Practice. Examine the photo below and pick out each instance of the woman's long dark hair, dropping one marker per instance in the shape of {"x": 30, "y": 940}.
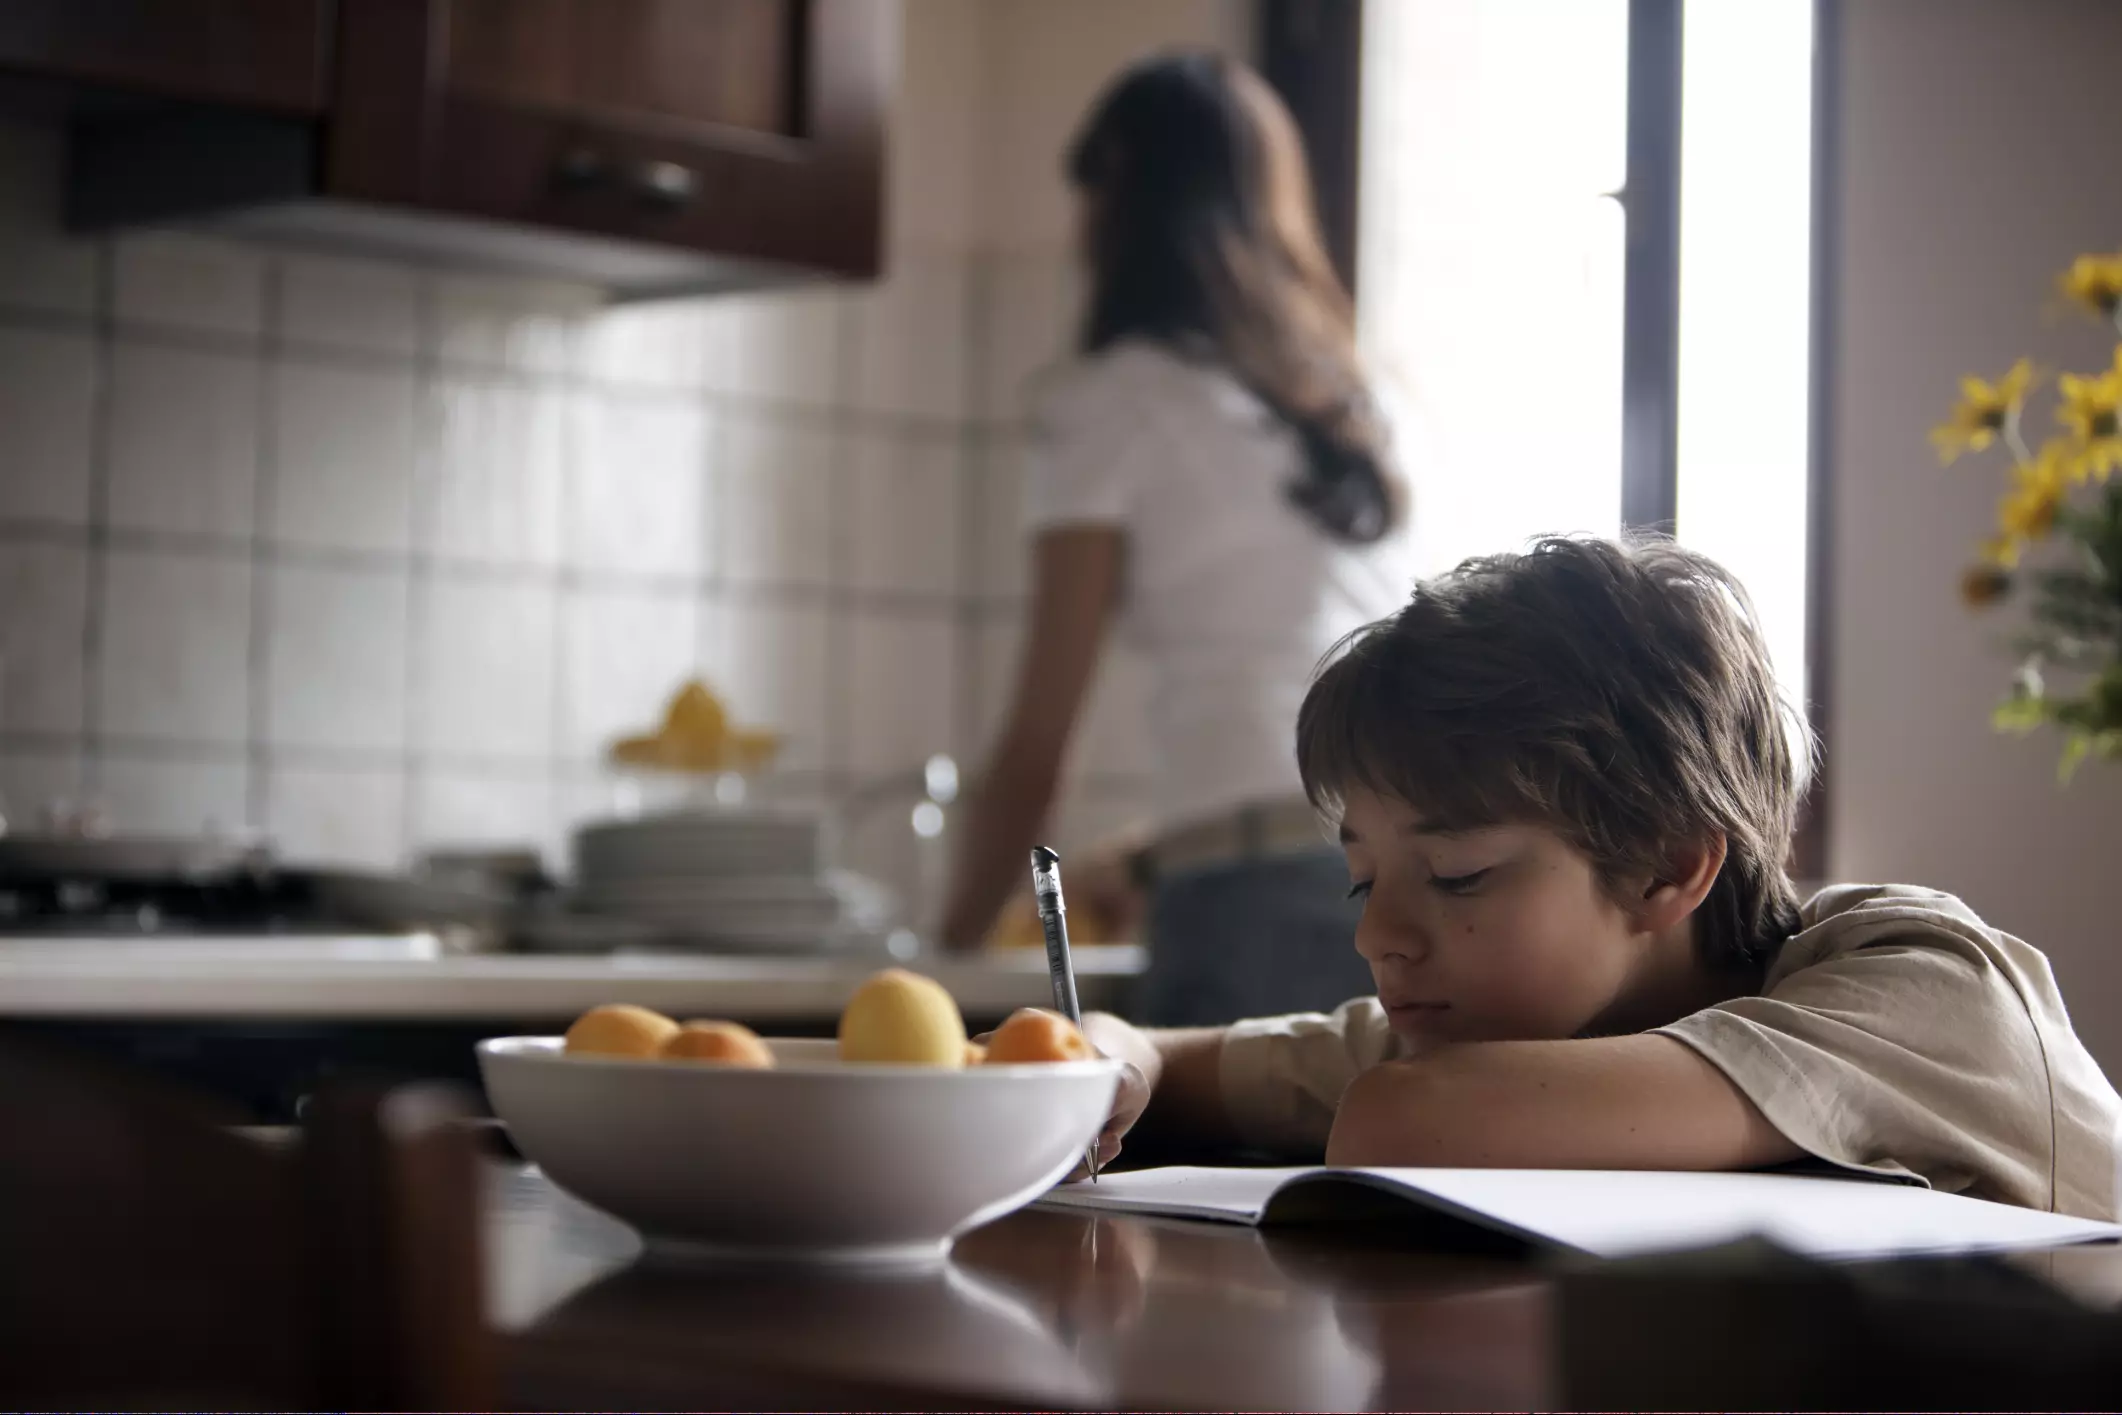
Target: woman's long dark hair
{"x": 1202, "y": 232}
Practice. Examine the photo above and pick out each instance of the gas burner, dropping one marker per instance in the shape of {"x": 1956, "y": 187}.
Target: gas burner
{"x": 241, "y": 903}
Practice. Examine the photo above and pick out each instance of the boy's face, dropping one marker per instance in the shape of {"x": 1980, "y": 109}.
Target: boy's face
{"x": 1501, "y": 933}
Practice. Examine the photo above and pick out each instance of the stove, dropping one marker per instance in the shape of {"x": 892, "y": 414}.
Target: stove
{"x": 104, "y": 908}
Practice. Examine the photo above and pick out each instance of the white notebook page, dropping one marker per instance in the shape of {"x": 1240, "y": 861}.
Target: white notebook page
{"x": 1613, "y": 1213}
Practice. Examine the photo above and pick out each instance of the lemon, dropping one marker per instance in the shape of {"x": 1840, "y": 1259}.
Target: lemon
{"x": 903, "y": 1017}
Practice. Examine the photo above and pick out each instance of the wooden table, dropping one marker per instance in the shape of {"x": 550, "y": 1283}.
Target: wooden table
{"x": 1043, "y": 1309}
{"x": 1055, "y": 1309}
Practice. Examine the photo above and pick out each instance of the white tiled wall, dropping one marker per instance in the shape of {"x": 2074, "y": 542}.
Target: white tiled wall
{"x": 369, "y": 557}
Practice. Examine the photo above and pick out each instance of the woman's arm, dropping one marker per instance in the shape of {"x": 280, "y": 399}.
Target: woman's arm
{"x": 1637, "y": 1102}
{"x": 1076, "y": 582}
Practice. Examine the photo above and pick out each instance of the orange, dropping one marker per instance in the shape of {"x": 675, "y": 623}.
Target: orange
{"x": 619, "y": 1029}
{"x": 718, "y": 1043}
{"x": 1035, "y": 1034}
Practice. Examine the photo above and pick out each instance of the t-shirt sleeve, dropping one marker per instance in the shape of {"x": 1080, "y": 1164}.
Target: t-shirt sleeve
{"x": 1092, "y": 440}
{"x": 1906, "y": 1057}
{"x": 1282, "y": 1077}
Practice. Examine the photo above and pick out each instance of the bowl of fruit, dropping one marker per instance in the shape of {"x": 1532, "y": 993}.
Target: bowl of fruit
{"x": 881, "y": 1145}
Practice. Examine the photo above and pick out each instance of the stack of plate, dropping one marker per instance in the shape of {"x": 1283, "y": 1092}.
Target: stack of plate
{"x": 732, "y": 879}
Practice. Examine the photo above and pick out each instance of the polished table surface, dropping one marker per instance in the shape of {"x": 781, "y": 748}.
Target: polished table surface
{"x": 1043, "y": 1309}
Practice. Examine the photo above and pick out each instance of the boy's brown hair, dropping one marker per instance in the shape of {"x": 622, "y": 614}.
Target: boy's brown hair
{"x": 1618, "y": 693}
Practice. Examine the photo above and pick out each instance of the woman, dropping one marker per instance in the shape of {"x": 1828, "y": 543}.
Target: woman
{"x": 1212, "y": 476}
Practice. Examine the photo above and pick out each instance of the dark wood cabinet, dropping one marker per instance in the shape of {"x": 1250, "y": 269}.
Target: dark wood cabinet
{"x": 653, "y": 146}
{"x": 263, "y": 54}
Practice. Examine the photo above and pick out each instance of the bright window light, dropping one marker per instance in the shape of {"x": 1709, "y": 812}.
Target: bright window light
{"x": 1490, "y": 256}
{"x": 1745, "y": 303}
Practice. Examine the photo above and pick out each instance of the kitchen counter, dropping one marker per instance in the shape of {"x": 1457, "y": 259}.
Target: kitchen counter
{"x": 410, "y": 979}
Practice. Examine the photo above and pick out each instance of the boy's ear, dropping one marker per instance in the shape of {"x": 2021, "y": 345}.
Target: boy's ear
{"x": 1683, "y": 883}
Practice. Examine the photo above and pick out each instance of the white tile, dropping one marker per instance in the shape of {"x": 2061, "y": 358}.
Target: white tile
{"x": 778, "y": 481}
{"x": 906, "y": 532}
{"x": 880, "y": 843}
{"x": 190, "y": 282}
{"x": 998, "y": 649}
{"x": 32, "y": 780}
{"x": 1046, "y": 64}
{"x": 659, "y": 344}
{"x": 913, "y": 339}
{"x": 783, "y": 345}
{"x": 1001, "y": 572}
{"x": 41, "y": 267}
{"x": 485, "y": 811}
{"x": 640, "y": 486}
{"x": 1033, "y": 315}
{"x": 521, "y": 324}
{"x": 335, "y": 657}
{"x": 903, "y": 688}
{"x": 1113, "y": 737}
{"x": 372, "y": 306}
{"x": 622, "y": 657}
{"x": 769, "y": 663}
{"x": 1091, "y": 815}
{"x": 492, "y": 477}
{"x": 580, "y": 795}
{"x": 43, "y": 620}
{"x": 176, "y": 647}
{"x": 484, "y": 669}
{"x": 159, "y": 797}
{"x": 343, "y": 450}
{"x": 47, "y": 401}
{"x": 334, "y": 816}
{"x": 184, "y": 440}
{"x": 936, "y": 130}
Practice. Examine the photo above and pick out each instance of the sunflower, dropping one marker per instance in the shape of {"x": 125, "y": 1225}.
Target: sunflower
{"x": 2089, "y": 408}
{"x": 1983, "y": 411}
{"x": 2094, "y": 281}
{"x": 2028, "y": 511}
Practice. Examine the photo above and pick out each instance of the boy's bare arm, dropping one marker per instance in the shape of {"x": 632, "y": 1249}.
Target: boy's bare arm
{"x": 1636, "y": 1102}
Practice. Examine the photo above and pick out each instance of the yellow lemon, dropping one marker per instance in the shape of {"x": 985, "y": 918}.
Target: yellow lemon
{"x": 620, "y": 1029}
{"x": 903, "y": 1017}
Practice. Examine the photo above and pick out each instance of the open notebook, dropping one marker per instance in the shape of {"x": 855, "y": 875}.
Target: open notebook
{"x": 1607, "y": 1213}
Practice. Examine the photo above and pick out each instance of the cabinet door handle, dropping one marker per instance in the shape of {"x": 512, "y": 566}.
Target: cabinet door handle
{"x": 580, "y": 168}
{"x": 666, "y": 184}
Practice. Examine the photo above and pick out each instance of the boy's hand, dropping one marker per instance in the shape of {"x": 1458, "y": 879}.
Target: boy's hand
{"x": 1141, "y": 1067}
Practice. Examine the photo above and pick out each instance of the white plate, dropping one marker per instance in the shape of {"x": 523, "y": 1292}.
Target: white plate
{"x": 819, "y": 1160}
{"x": 782, "y": 890}
{"x": 709, "y": 920}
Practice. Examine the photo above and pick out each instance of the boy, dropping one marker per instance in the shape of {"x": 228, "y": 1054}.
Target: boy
{"x": 1566, "y": 785}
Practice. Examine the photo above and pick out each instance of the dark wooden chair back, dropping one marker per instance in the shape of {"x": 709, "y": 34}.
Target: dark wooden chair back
{"x": 151, "y": 1255}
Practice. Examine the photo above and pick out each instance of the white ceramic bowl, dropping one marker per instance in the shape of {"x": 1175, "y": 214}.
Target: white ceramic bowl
{"x": 816, "y": 1159}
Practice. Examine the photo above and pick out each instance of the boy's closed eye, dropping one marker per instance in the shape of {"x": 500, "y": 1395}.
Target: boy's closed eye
{"x": 1446, "y": 884}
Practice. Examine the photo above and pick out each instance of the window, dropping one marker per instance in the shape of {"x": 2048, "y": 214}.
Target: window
{"x": 1506, "y": 149}
{"x": 1490, "y": 249}
{"x": 1745, "y": 304}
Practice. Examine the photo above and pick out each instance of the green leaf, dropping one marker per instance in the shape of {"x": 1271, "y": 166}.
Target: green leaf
{"x": 2075, "y": 749}
{"x": 2019, "y": 715}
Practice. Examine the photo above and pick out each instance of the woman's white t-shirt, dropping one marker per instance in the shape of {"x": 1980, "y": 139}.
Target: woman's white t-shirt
{"x": 1232, "y": 594}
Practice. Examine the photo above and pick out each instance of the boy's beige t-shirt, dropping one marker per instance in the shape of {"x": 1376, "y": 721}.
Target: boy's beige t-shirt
{"x": 1896, "y": 1033}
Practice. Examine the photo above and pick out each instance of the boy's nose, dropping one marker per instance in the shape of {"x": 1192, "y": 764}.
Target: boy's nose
{"x": 1381, "y": 935}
